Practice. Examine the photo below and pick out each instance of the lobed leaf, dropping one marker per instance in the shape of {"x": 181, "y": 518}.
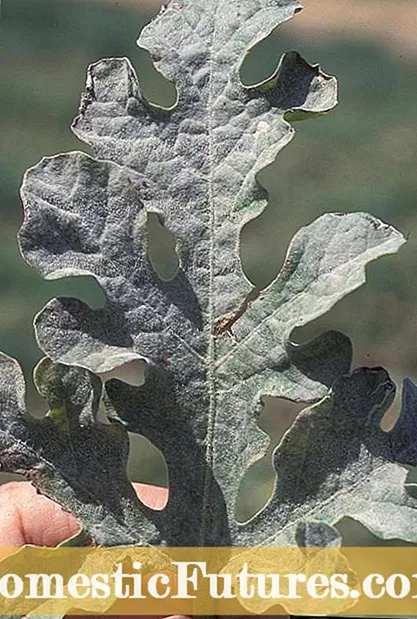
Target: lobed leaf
{"x": 68, "y": 455}
{"x": 336, "y": 461}
{"x": 213, "y": 344}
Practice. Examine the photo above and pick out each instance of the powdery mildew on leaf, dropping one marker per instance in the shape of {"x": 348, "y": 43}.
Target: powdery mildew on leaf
{"x": 69, "y": 455}
{"x": 213, "y": 344}
{"x": 335, "y": 460}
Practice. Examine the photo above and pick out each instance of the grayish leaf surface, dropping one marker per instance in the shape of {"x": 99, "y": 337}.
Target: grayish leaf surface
{"x": 336, "y": 460}
{"x": 69, "y": 456}
{"x": 213, "y": 345}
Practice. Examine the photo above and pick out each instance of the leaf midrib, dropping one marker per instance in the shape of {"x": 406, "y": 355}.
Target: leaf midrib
{"x": 211, "y": 413}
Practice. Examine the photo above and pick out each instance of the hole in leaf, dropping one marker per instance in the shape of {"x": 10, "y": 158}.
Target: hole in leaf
{"x": 264, "y": 240}
{"x": 146, "y": 464}
{"x": 132, "y": 373}
{"x": 156, "y": 89}
{"x": 5, "y": 478}
{"x": 390, "y": 418}
{"x": 84, "y": 288}
{"x": 255, "y": 490}
{"x": 262, "y": 60}
{"x": 258, "y": 484}
{"x": 355, "y": 534}
{"x": 161, "y": 248}
{"x": 260, "y": 254}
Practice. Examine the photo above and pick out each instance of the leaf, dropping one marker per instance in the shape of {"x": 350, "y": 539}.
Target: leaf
{"x": 335, "y": 460}
{"x": 213, "y": 345}
{"x": 56, "y": 453}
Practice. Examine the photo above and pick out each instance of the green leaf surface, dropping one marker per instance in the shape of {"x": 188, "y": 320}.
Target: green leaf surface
{"x": 213, "y": 344}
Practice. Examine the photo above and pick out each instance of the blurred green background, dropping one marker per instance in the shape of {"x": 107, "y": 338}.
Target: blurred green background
{"x": 361, "y": 157}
